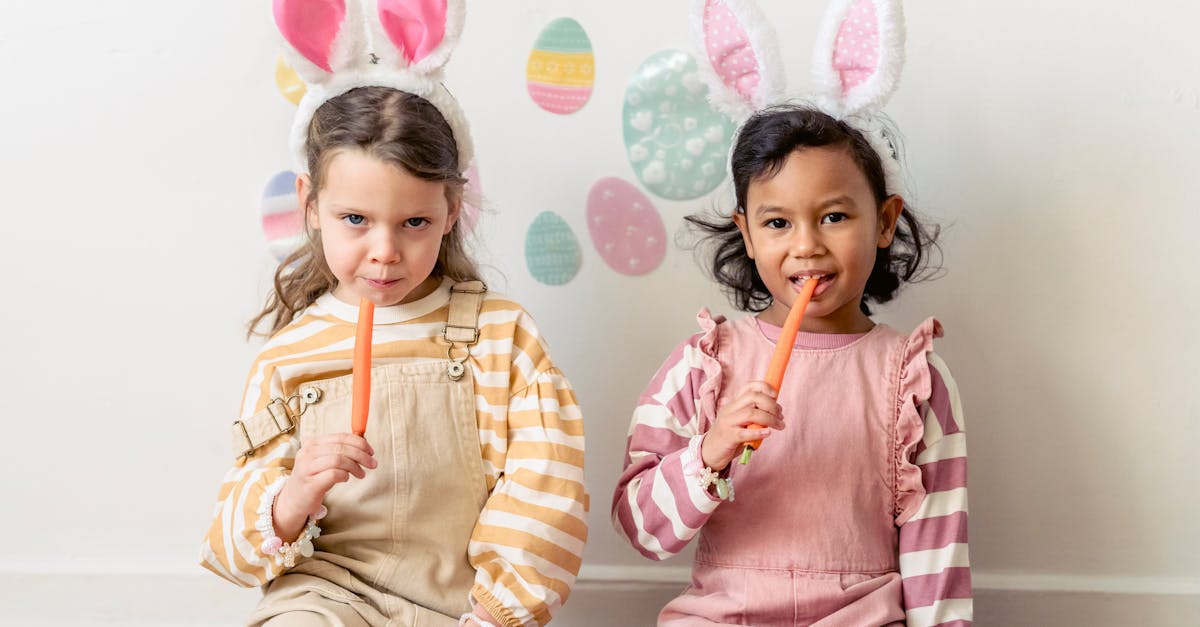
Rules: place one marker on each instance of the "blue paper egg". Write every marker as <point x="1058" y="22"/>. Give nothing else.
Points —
<point x="552" y="251"/>
<point x="677" y="144"/>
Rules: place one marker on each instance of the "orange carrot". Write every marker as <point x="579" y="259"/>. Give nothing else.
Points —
<point x="361" y="399"/>
<point x="783" y="352"/>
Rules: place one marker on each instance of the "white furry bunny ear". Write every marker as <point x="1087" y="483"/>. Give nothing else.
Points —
<point x="740" y="62"/>
<point x="859" y="55"/>
<point x="323" y="36"/>
<point x="422" y="33"/>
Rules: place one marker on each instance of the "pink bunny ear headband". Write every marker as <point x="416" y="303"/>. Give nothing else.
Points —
<point x="856" y="66"/>
<point x="338" y="45"/>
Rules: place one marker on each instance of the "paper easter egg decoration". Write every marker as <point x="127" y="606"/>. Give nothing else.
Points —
<point x="282" y="220"/>
<point x="472" y="195"/>
<point x="552" y="251"/>
<point x="625" y="227"/>
<point x="561" y="68"/>
<point x="676" y="142"/>
<point x="288" y="81"/>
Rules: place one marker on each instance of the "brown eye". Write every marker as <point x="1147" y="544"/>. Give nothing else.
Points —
<point x="833" y="218"/>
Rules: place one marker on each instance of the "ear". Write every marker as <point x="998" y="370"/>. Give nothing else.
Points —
<point x="889" y="219"/>
<point x="739" y="56"/>
<point x="859" y="55"/>
<point x="303" y="189"/>
<point x="743" y="226"/>
<point x="322" y="36"/>
<point x="454" y="211"/>
<point x="421" y="33"/>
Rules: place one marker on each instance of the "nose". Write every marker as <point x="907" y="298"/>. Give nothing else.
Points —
<point x="806" y="242"/>
<point x="384" y="248"/>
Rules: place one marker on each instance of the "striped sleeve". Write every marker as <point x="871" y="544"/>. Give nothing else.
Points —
<point x="528" y="543"/>
<point x="655" y="507"/>
<point x="231" y="546"/>
<point x="934" y="564"/>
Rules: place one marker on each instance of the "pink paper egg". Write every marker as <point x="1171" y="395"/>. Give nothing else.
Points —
<point x="625" y="227"/>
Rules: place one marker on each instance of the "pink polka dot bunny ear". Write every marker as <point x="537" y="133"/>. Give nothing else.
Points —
<point x="741" y="62"/>
<point x="338" y="45"/>
<point x="859" y="55"/>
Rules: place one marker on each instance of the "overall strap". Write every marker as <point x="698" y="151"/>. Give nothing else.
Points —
<point x="462" y="324"/>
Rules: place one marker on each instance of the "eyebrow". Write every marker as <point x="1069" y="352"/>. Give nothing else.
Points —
<point x="836" y="200"/>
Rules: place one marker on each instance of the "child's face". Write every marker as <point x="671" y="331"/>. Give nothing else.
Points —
<point x="817" y="217"/>
<point x="381" y="228"/>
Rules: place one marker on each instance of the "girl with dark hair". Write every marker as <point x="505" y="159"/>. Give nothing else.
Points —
<point x="853" y="511"/>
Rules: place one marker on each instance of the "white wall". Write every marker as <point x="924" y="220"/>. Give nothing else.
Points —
<point x="1057" y="141"/>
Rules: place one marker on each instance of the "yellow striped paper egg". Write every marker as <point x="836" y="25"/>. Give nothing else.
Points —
<point x="561" y="69"/>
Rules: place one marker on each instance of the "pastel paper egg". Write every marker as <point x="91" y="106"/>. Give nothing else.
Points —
<point x="625" y="227"/>
<point x="282" y="220"/>
<point x="561" y="68"/>
<point x="472" y="197"/>
<point x="289" y="83"/>
<point x="552" y="252"/>
<point x="677" y="144"/>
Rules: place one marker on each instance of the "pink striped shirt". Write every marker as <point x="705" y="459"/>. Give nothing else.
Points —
<point x="659" y="509"/>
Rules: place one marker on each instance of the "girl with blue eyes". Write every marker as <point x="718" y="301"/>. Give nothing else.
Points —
<point x="853" y="511"/>
<point x="463" y="503"/>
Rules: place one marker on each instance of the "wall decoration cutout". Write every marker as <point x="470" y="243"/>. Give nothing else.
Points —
<point x="282" y="220"/>
<point x="625" y="226"/>
<point x="552" y="251"/>
<point x="561" y="68"/>
<point x="288" y="81"/>
<point x="472" y="199"/>
<point x="676" y="142"/>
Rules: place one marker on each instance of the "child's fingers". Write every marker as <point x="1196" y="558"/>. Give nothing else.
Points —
<point x="761" y="417"/>
<point x="340" y="462"/>
<point x="342" y="448"/>
<point x="760" y="387"/>
<point x="345" y="439"/>
<point x="331" y="477"/>
<point x="750" y="435"/>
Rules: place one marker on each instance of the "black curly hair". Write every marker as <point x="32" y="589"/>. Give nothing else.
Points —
<point x="763" y="145"/>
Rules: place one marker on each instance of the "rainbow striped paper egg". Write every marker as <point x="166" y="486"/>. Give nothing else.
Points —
<point x="282" y="221"/>
<point x="561" y="69"/>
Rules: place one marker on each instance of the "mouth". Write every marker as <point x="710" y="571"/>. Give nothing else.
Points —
<point x="381" y="284"/>
<point x="824" y="279"/>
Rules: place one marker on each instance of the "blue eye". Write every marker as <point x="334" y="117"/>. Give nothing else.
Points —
<point x="354" y="219"/>
<point x="833" y="218"/>
<point x="416" y="222"/>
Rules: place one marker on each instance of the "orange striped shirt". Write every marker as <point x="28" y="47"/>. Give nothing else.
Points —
<point x="528" y="543"/>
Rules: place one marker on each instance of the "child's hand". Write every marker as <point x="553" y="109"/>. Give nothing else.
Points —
<point x="322" y="462"/>
<point x="756" y="405"/>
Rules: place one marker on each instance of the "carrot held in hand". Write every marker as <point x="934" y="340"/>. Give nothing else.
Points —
<point x="783" y="351"/>
<point x="361" y="399"/>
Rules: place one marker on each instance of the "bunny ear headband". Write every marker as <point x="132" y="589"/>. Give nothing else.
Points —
<point x="856" y="66"/>
<point x="338" y="45"/>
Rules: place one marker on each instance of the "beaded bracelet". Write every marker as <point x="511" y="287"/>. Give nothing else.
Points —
<point x="703" y="475"/>
<point x="273" y="544"/>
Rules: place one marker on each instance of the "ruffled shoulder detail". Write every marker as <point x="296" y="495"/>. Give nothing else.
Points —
<point x="915" y="388"/>
<point x="707" y="343"/>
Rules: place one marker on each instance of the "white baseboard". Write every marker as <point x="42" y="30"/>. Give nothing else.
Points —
<point x="604" y="596"/>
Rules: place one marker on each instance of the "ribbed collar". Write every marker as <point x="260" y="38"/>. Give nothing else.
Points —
<point x="811" y="341"/>
<point x="329" y="304"/>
